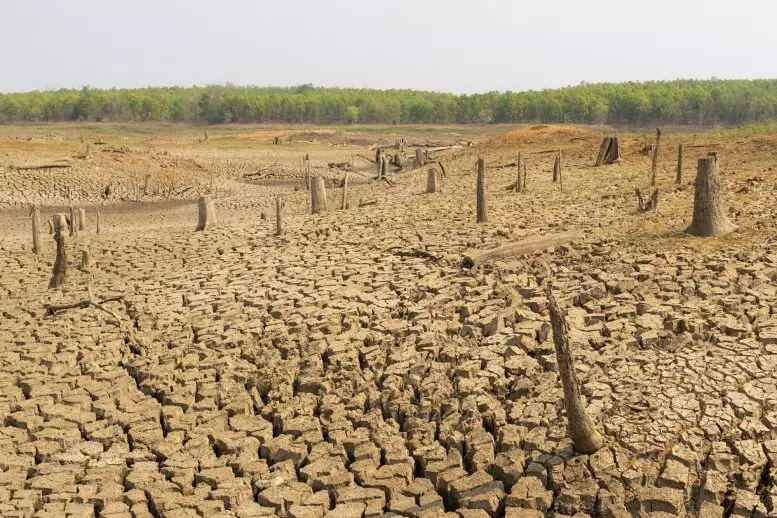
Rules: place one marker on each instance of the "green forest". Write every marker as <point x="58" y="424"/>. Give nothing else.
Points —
<point x="697" y="102"/>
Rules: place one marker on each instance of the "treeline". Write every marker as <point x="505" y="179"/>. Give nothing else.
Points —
<point x="669" y="102"/>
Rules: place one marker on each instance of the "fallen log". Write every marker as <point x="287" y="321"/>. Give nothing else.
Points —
<point x="520" y="248"/>
<point x="367" y="203"/>
<point x="33" y="167"/>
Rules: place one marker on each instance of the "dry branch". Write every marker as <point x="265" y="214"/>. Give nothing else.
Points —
<point x="53" y="309"/>
<point x="33" y="167"/>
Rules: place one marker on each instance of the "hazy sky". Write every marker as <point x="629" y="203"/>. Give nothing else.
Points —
<point x="448" y="45"/>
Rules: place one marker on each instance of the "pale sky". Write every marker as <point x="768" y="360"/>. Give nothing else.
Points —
<point x="445" y="45"/>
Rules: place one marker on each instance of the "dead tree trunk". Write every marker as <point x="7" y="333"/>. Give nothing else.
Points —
<point x="557" y="169"/>
<point x="344" y="204"/>
<point x="146" y="184"/>
<point x="603" y="151"/>
<point x="398" y="160"/>
<point x="654" y="164"/>
<point x="81" y="219"/>
<point x="482" y="217"/>
<point x="36" y="245"/>
<point x="419" y="158"/>
<point x="609" y="152"/>
<point x="59" y="222"/>
<point x="431" y="180"/>
<point x="86" y="260"/>
<point x="279" y="203"/>
<point x="709" y="216"/>
<point x="383" y="166"/>
<point x="517" y="187"/>
<point x="679" y="178"/>
<point x="317" y="195"/>
<point x="73" y="222"/>
<point x="652" y="203"/>
<point x="581" y="430"/>
<point x="98" y="222"/>
<point x="207" y="214"/>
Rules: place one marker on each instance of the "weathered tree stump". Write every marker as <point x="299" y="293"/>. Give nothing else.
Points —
<point x="344" y="204"/>
<point x="420" y="157"/>
<point x="59" y="273"/>
<point x="146" y="185"/>
<point x="279" y="203"/>
<point x="398" y="160"/>
<point x="557" y="169"/>
<point x="709" y="216"/>
<point x="207" y="214"/>
<point x="482" y="217"/>
<point x="318" y="195"/>
<point x="81" y="219"/>
<point x="86" y="260"/>
<point x="654" y="163"/>
<point x="650" y="205"/>
<point x="37" y="248"/>
<point x="98" y="222"/>
<point x="609" y="152"/>
<point x="383" y="166"/>
<point x="73" y="221"/>
<point x="679" y="178"/>
<point x="431" y="180"/>
<point x="580" y="428"/>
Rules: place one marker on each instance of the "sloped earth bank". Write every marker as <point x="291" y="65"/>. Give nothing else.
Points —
<point x="351" y="367"/>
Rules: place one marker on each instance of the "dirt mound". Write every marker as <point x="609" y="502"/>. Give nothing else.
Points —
<point x="541" y="134"/>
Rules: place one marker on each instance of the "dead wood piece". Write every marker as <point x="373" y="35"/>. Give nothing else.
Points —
<point x="520" y="248"/>
<point x="33" y="167"/>
<point x="53" y="309"/>
<point x="650" y="205"/>
<point x="367" y="203"/>
<point x="580" y="428"/>
<point x="422" y="254"/>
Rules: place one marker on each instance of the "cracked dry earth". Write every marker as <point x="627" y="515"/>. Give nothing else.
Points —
<point x="351" y="367"/>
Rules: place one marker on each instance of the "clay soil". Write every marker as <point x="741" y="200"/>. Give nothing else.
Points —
<point x="352" y="366"/>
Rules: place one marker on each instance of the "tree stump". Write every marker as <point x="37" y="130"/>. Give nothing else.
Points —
<point x="679" y="178"/>
<point x="318" y="195"/>
<point x="383" y="166"/>
<point x="557" y="169"/>
<point x="517" y="186"/>
<point x="709" y="216"/>
<point x="73" y="222"/>
<point x="654" y="163"/>
<point x="398" y="160"/>
<point x="420" y="158"/>
<point x="37" y="248"/>
<point x="603" y="151"/>
<point x="482" y="217"/>
<point x="86" y="260"/>
<point x="81" y="219"/>
<point x="609" y="152"/>
<point x="207" y="214"/>
<point x="431" y="180"/>
<point x="98" y="222"/>
<point x="59" y="273"/>
<point x="581" y="430"/>
<point x="344" y="204"/>
<point x="279" y="203"/>
<point x="146" y="184"/>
